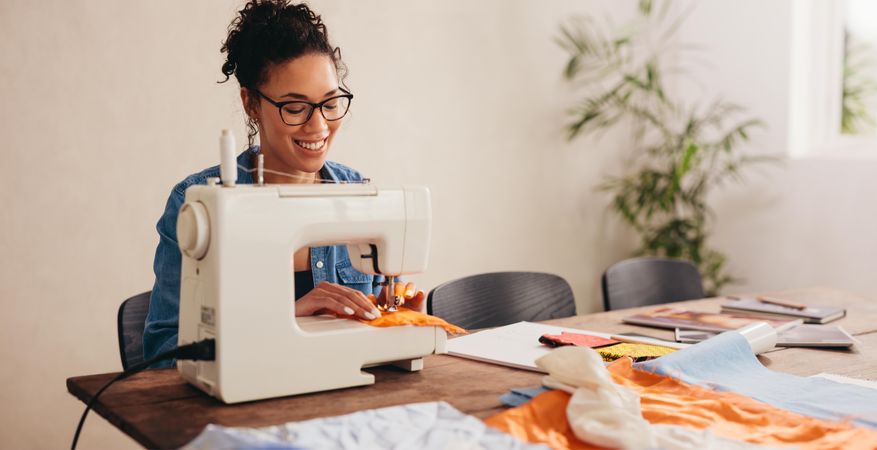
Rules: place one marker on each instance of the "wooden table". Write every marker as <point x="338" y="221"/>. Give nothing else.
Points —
<point x="160" y="410"/>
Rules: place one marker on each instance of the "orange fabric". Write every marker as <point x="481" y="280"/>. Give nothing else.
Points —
<point x="669" y="401"/>
<point x="540" y="421"/>
<point x="405" y="316"/>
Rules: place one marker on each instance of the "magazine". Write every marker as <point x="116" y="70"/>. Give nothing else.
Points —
<point x="810" y="314"/>
<point x="673" y="318"/>
<point x="799" y="336"/>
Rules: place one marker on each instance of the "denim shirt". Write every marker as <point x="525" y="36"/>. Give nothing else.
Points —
<point x="330" y="264"/>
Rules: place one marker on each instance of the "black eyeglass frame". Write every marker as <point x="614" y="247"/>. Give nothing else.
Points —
<point x="313" y="106"/>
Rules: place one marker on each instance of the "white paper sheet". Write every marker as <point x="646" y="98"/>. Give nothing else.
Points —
<point x="516" y="345"/>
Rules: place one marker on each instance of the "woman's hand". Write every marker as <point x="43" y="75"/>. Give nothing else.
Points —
<point x="414" y="298"/>
<point x="336" y="299"/>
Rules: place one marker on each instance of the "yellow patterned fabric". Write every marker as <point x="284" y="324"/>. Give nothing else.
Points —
<point x="638" y="352"/>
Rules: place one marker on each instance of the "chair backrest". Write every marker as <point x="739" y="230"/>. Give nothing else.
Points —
<point x="650" y="281"/>
<point x="131" y="321"/>
<point x="496" y="299"/>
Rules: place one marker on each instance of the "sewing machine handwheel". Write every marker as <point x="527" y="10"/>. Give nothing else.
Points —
<point x="193" y="230"/>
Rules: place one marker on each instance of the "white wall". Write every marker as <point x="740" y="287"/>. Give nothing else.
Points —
<point x="806" y="221"/>
<point x="107" y="104"/>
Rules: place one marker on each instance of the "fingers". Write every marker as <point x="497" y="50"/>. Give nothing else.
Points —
<point x="353" y="300"/>
<point x="399" y="290"/>
<point x="404" y="290"/>
<point x="410" y="291"/>
<point x="416" y="302"/>
<point x="342" y="301"/>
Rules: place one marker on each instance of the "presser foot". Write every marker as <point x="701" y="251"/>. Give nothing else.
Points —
<point x="393" y="306"/>
<point x="393" y="302"/>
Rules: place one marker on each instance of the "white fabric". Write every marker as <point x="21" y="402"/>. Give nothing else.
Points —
<point x="432" y="426"/>
<point x="603" y="413"/>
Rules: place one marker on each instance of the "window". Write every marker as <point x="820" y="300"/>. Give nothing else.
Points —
<point x="833" y="78"/>
<point x="859" y="77"/>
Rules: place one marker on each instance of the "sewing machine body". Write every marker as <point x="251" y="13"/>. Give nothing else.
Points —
<point x="238" y="287"/>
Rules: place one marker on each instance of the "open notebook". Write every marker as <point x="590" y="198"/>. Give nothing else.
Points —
<point x="516" y="345"/>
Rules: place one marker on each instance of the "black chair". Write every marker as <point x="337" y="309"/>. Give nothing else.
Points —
<point x="650" y="281"/>
<point x="496" y="299"/>
<point x="131" y="321"/>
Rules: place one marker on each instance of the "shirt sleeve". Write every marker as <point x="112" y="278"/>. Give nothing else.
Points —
<point x="162" y="321"/>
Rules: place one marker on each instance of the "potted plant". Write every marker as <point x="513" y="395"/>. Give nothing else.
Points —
<point x="681" y="151"/>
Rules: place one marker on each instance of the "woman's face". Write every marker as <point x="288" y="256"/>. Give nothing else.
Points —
<point x="297" y="149"/>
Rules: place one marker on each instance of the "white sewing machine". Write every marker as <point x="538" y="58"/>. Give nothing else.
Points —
<point x="237" y="285"/>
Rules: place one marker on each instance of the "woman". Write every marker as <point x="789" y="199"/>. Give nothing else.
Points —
<point x="291" y="86"/>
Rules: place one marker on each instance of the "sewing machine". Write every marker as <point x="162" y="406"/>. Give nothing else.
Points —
<point x="237" y="285"/>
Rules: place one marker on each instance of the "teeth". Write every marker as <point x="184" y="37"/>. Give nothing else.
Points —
<point x="311" y="145"/>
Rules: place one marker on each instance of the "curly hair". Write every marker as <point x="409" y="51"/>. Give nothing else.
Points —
<point x="269" y="32"/>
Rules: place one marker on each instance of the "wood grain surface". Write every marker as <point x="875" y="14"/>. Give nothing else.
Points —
<point x="159" y="409"/>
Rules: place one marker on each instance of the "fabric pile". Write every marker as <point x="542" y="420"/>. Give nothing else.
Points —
<point x="725" y="363"/>
<point x="609" y="349"/>
<point x="712" y="395"/>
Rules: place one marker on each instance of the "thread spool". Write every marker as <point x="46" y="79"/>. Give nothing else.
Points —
<point x="228" y="167"/>
<point x="260" y="169"/>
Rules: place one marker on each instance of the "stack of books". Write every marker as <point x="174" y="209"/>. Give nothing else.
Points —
<point x="786" y="317"/>
<point x="673" y="318"/>
<point x="773" y="307"/>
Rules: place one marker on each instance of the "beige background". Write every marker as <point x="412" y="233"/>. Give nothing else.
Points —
<point x="107" y="104"/>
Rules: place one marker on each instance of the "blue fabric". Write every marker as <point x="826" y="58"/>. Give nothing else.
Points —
<point x="330" y="264"/>
<point x="422" y="426"/>
<point x="519" y="396"/>
<point x="726" y="363"/>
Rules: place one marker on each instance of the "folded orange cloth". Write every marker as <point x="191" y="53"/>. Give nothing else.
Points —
<point x="669" y="401"/>
<point x="405" y="316"/>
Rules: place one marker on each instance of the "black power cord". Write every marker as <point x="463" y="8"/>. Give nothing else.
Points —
<point x="197" y="351"/>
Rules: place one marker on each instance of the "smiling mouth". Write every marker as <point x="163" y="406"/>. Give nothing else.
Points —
<point x="313" y="146"/>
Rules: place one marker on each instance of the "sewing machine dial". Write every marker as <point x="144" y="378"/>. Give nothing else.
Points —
<point x="193" y="230"/>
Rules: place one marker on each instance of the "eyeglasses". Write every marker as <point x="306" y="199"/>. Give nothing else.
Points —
<point x="298" y="112"/>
